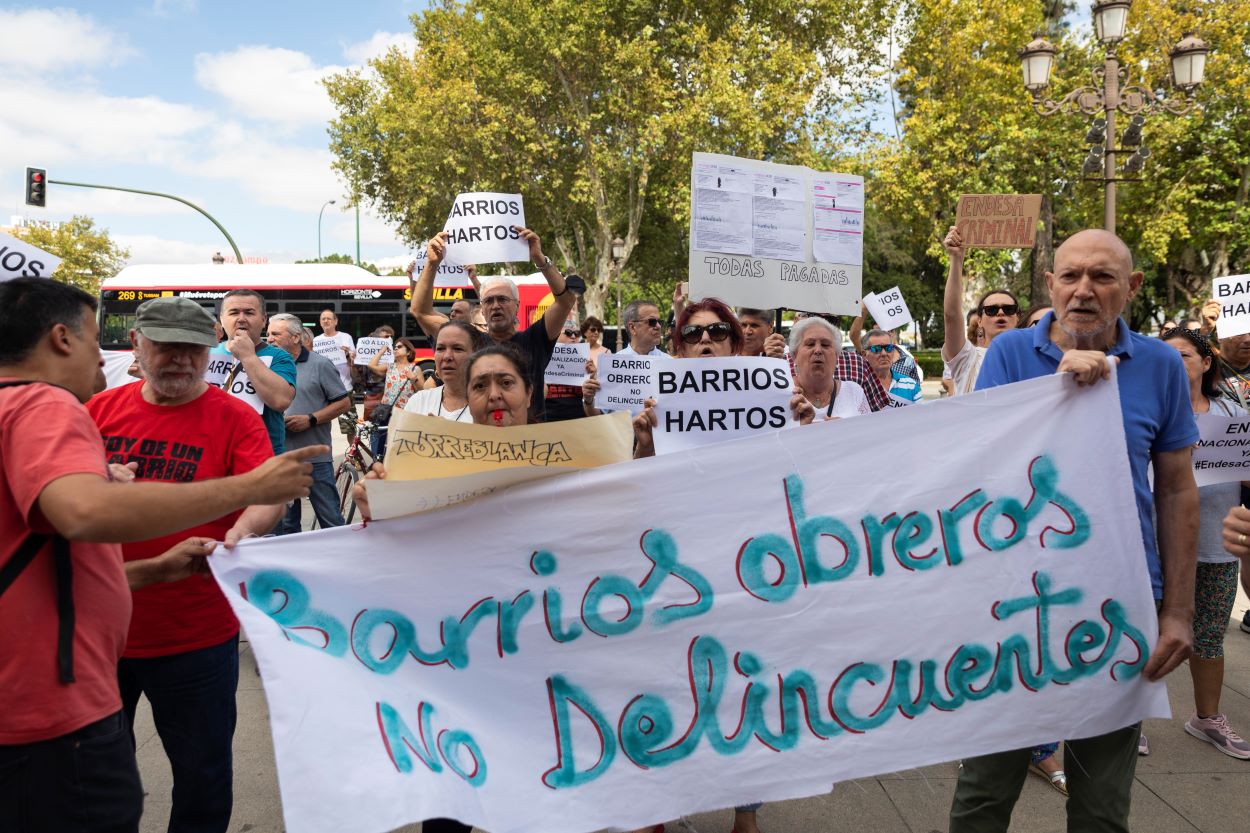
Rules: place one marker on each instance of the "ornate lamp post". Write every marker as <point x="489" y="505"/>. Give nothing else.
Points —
<point x="1110" y="95"/>
<point x="618" y="254"/>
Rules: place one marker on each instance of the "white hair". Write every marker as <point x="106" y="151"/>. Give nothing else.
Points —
<point x="796" y="332"/>
<point x="500" y="279"/>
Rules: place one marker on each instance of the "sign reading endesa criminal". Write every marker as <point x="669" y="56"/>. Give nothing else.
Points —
<point x="998" y="221"/>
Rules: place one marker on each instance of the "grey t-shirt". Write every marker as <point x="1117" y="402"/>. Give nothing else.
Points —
<point x="317" y="384"/>
<point x="1215" y="500"/>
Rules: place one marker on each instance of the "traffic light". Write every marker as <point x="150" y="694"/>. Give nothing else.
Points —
<point x="36" y="187"/>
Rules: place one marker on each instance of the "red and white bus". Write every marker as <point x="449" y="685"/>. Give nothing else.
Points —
<point x="362" y="300"/>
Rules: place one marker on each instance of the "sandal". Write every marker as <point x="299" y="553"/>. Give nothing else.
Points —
<point x="1057" y="779"/>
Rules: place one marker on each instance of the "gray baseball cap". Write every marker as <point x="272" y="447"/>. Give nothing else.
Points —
<point x="178" y="320"/>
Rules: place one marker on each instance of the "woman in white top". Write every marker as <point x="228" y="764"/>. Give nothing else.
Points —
<point x="455" y="342"/>
<point x="997" y="311"/>
<point x="815" y="344"/>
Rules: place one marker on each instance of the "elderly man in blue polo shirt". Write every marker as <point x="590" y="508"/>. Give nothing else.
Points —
<point x="1092" y="283"/>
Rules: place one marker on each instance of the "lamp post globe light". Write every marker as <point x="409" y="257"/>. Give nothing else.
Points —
<point x="1111" y="94"/>
<point x="319" y="213"/>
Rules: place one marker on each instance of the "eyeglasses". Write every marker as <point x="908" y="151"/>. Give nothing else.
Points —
<point x="881" y="348"/>
<point x="650" y="322"/>
<point x="494" y="300"/>
<point x="693" y="333"/>
<point x="1000" y="309"/>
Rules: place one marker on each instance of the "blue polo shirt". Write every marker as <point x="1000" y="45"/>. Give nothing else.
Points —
<point x="1154" y="401"/>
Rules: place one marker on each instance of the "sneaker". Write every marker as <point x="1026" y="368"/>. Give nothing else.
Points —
<point x="1216" y="731"/>
<point x="1143" y="748"/>
<point x="1245" y="622"/>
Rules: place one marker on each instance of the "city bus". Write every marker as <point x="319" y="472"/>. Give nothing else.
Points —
<point x="362" y="300"/>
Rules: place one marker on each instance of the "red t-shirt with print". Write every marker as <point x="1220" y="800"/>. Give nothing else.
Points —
<point x="46" y="434"/>
<point x="214" y="435"/>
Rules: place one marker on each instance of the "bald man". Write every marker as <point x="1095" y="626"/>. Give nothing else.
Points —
<point x="1091" y="285"/>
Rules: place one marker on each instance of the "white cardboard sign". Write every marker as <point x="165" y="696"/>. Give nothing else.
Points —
<point x="888" y="309"/>
<point x="1233" y="293"/>
<point x="753" y="635"/>
<point x="705" y="401"/>
<point x="221" y="373"/>
<point x="567" y="365"/>
<point x="329" y="347"/>
<point x="369" y="346"/>
<point x="19" y="259"/>
<point x="1223" y="453"/>
<point x="765" y="235"/>
<point x="482" y="228"/>
<point x="626" y="382"/>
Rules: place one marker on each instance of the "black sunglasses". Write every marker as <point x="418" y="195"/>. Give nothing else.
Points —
<point x="650" y="322"/>
<point x="693" y="333"/>
<point x="1000" y="309"/>
<point x="572" y="334"/>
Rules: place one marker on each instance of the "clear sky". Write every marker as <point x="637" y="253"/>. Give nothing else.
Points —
<point x="217" y="101"/>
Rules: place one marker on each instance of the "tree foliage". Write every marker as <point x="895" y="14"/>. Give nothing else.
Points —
<point x="591" y="109"/>
<point x="88" y="254"/>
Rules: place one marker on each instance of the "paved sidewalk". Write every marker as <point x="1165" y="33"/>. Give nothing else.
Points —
<point x="1182" y="787"/>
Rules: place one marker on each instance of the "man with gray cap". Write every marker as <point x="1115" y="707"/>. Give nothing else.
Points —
<point x="320" y="397"/>
<point x="182" y="650"/>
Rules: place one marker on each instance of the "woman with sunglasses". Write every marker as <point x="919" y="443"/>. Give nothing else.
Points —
<point x="1215" y="587"/>
<point x="997" y="311"/>
<point x="592" y="331"/>
<point x="563" y="402"/>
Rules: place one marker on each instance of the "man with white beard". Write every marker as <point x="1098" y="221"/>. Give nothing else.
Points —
<point x="182" y="650"/>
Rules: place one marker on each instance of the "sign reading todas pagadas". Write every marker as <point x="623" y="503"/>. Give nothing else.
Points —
<point x="998" y="221"/>
<point x="628" y="644"/>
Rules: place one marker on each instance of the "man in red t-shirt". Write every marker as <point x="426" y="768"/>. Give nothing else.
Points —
<point x="66" y="759"/>
<point x="183" y="647"/>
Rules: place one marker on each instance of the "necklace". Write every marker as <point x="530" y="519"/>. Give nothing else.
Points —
<point x="459" y="413"/>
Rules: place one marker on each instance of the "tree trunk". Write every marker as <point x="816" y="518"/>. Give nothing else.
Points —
<point x="1043" y="253"/>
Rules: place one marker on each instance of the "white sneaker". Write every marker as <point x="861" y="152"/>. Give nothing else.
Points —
<point x="1216" y="731"/>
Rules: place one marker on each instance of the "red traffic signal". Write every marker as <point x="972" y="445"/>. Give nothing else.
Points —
<point x="36" y="187"/>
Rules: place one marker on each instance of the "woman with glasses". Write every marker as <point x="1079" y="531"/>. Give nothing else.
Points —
<point x="592" y="331"/>
<point x="1215" y="587"/>
<point x="997" y="311"/>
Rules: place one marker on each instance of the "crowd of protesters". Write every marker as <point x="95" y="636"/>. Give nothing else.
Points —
<point x="167" y="465"/>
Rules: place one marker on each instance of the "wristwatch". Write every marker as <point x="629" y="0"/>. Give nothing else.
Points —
<point x="542" y="264"/>
<point x="312" y="419"/>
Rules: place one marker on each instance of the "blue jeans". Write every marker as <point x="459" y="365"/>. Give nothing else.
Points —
<point x="82" y="782"/>
<point x="325" y="503"/>
<point x="193" y="707"/>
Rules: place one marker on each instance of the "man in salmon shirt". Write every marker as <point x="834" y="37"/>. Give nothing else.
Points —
<point x="183" y="647"/>
<point x="67" y="761"/>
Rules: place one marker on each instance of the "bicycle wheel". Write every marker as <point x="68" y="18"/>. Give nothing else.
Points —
<point x="343" y="483"/>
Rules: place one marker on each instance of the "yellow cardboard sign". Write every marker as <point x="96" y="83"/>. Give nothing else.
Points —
<point x="433" y="462"/>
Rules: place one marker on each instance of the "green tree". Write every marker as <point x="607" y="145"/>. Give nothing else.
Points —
<point x="591" y="109"/>
<point x="88" y="254"/>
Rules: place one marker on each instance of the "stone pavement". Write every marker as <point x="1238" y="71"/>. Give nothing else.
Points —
<point x="1184" y="786"/>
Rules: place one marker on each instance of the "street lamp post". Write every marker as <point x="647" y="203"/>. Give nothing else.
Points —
<point x="319" y="213"/>
<point x="1110" y="95"/>
<point x="618" y="254"/>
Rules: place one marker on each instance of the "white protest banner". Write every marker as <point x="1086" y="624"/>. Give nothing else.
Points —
<point x="369" y="346"/>
<point x="1233" y="293"/>
<point x="765" y="235"/>
<point x="600" y="650"/>
<point x="329" y="347"/>
<point x="480" y="229"/>
<point x="19" y="259"/>
<point x="448" y="274"/>
<point x="888" y="309"/>
<point x="1223" y="453"/>
<point x="705" y="401"/>
<point x="567" y="365"/>
<point x="626" y="382"/>
<point x="226" y="372"/>
<point x="117" y="368"/>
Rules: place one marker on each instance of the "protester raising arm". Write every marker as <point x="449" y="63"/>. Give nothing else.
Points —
<point x="953" y="297"/>
<point x="563" y="302"/>
<point x="421" y="305"/>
